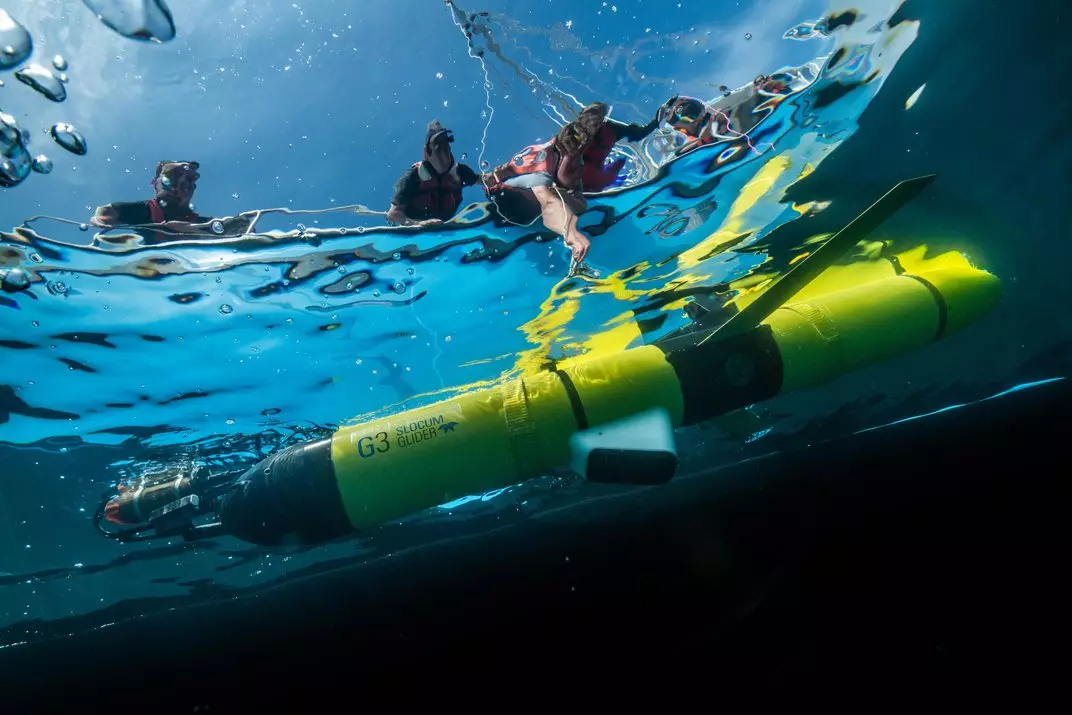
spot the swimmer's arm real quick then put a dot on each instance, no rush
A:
(397, 216)
(231, 224)
(467, 175)
(405, 188)
(636, 132)
(105, 217)
(239, 224)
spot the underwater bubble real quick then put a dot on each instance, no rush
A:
(396, 255)
(411, 270)
(448, 338)
(83, 227)
(226, 309)
(216, 226)
(15, 161)
(69, 138)
(14, 280)
(144, 20)
(64, 78)
(484, 164)
(230, 421)
(59, 63)
(15, 42)
(748, 35)
(36, 258)
(439, 75)
(465, 156)
(42, 164)
(342, 269)
(43, 81)
(400, 287)
(375, 294)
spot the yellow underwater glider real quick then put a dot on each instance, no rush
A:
(610, 417)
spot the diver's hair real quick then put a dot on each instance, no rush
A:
(593, 116)
(573, 137)
(596, 111)
(160, 167)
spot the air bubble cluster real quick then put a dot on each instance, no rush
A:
(15, 161)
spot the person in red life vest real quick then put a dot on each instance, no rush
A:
(545, 181)
(606, 133)
(431, 190)
(174, 185)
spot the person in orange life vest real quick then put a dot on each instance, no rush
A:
(431, 190)
(545, 181)
(174, 185)
(606, 133)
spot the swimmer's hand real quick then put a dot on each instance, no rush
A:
(579, 244)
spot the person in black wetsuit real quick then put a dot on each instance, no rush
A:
(431, 190)
(174, 184)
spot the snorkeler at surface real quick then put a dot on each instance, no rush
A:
(174, 184)
(729, 117)
(430, 191)
(545, 181)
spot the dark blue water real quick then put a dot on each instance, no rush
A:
(990, 122)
